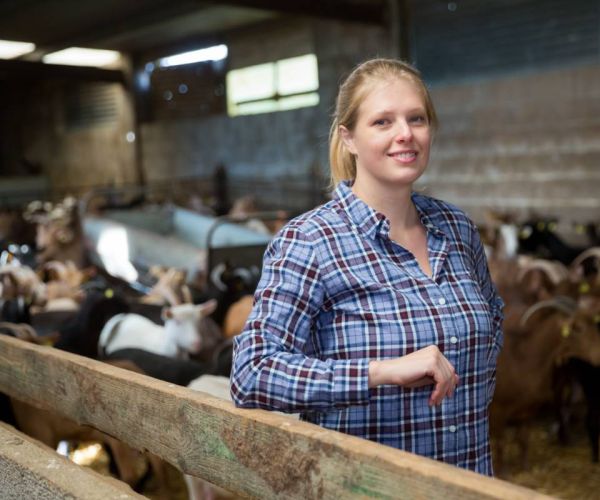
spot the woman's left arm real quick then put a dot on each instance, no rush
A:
(482, 274)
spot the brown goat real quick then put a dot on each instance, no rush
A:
(534, 347)
(236, 316)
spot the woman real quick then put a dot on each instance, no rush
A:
(372, 307)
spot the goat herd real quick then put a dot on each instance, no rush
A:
(550, 362)
(174, 332)
(181, 334)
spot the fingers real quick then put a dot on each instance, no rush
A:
(441, 390)
(427, 366)
(452, 388)
(445, 378)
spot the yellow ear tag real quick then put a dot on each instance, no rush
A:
(541, 226)
(597, 318)
(565, 331)
(584, 287)
(108, 293)
(552, 226)
(525, 233)
(579, 229)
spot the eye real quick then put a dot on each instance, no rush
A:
(419, 119)
(380, 122)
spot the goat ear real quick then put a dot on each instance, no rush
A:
(208, 307)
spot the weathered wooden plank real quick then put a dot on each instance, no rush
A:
(29, 469)
(251, 452)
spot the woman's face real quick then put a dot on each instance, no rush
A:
(392, 136)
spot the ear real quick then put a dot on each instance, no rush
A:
(166, 313)
(208, 307)
(347, 139)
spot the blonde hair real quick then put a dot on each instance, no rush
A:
(350, 96)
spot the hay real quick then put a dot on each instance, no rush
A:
(561, 471)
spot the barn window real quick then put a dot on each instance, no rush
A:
(277, 86)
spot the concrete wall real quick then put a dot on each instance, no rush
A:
(75, 158)
(274, 149)
(525, 143)
(521, 142)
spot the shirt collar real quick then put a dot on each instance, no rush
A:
(369, 220)
(365, 218)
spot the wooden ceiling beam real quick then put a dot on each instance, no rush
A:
(93, 35)
(360, 11)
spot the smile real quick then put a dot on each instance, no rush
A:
(404, 156)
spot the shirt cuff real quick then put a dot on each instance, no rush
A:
(351, 382)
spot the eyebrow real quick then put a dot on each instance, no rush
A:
(385, 112)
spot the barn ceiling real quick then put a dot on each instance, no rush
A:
(143, 25)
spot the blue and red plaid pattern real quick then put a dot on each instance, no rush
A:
(336, 292)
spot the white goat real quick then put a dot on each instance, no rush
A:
(176, 339)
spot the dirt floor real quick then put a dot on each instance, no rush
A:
(561, 471)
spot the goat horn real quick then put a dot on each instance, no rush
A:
(590, 252)
(555, 271)
(215, 277)
(561, 303)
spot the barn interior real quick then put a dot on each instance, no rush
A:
(202, 108)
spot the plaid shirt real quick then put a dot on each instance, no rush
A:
(336, 292)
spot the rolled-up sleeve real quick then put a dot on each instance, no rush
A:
(271, 369)
(495, 302)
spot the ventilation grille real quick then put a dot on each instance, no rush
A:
(91, 105)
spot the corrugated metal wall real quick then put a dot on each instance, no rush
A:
(473, 38)
(516, 84)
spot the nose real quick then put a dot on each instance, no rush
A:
(403, 131)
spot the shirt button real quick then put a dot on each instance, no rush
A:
(453, 340)
(441, 301)
(452, 428)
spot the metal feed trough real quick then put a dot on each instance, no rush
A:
(126, 242)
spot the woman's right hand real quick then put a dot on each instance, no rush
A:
(426, 366)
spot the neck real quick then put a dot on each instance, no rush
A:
(394, 202)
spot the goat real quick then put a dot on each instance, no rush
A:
(58, 232)
(21, 281)
(174, 371)
(587, 264)
(170, 289)
(236, 316)
(533, 349)
(177, 338)
(583, 328)
(538, 237)
(80, 334)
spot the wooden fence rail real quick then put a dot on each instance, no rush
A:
(29, 469)
(249, 452)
